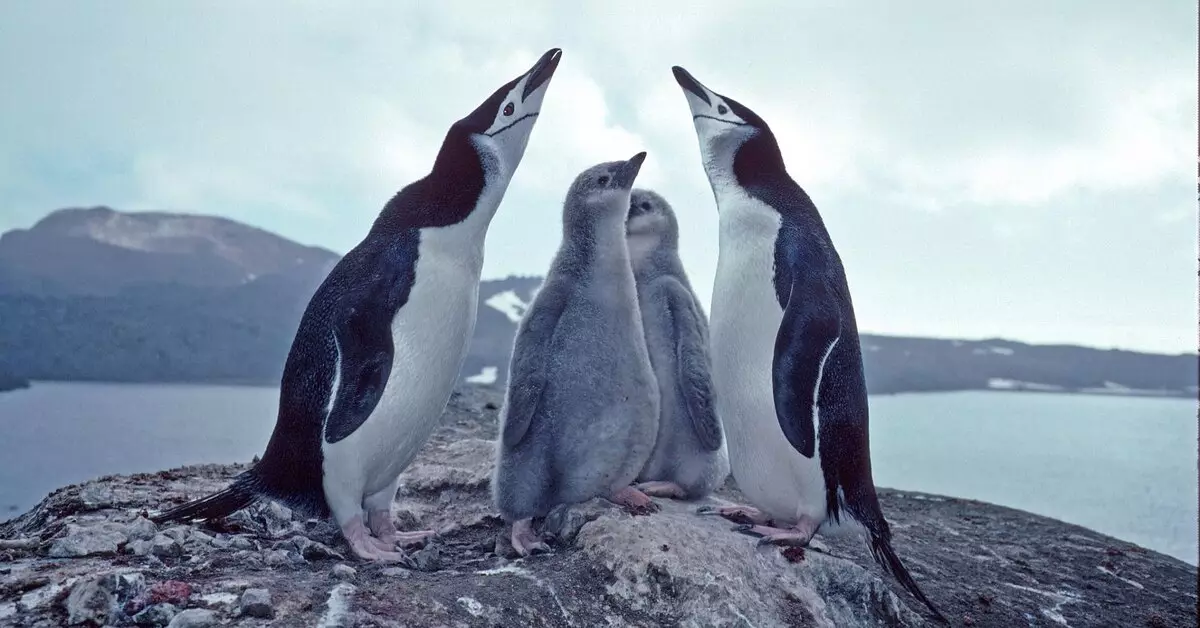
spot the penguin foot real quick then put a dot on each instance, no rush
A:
(634, 501)
(525, 540)
(366, 546)
(737, 514)
(662, 489)
(381, 525)
(796, 536)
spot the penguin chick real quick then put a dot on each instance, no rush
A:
(580, 411)
(689, 459)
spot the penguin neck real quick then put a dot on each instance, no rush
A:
(595, 237)
(464, 187)
(651, 254)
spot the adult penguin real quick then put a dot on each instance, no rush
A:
(787, 365)
(381, 343)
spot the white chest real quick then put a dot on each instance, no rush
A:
(431, 334)
(744, 325)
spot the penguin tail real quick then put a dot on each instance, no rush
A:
(885, 555)
(221, 504)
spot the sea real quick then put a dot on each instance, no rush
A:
(1123, 466)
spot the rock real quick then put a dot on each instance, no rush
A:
(199, 537)
(158, 615)
(309, 549)
(428, 558)
(458, 466)
(256, 603)
(164, 546)
(91, 601)
(170, 591)
(142, 529)
(139, 547)
(194, 618)
(277, 558)
(178, 533)
(983, 565)
(242, 543)
(97, 540)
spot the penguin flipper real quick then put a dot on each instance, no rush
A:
(527, 369)
(693, 376)
(364, 362)
(809, 331)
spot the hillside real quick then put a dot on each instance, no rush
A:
(98, 294)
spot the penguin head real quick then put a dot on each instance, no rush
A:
(604, 188)
(499, 128)
(650, 216)
(734, 141)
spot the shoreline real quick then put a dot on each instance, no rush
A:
(1088, 392)
(983, 565)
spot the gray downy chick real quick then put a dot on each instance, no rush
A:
(580, 411)
(689, 459)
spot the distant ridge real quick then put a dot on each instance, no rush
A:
(164, 297)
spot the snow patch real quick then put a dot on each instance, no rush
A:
(992, 349)
(1000, 383)
(1113, 388)
(509, 304)
(487, 376)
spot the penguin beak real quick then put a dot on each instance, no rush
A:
(629, 171)
(692, 87)
(541, 72)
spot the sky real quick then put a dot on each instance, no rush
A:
(1019, 169)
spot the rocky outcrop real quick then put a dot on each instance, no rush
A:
(87, 556)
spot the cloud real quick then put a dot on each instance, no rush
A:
(917, 129)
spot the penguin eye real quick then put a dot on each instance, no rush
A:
(722, 109)
(508, 109)
(645, 206)
(602, 180)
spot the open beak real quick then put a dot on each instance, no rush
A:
(691, 85)
(541, 71)
(629, 171)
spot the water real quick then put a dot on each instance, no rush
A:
(1122, 466)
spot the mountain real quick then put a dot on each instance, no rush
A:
(99, 294)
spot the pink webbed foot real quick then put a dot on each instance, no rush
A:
(525, 540)
(662, 489)
(380, 522)
(737, 514)
(634, 501)
(796, 536)
(366, 546)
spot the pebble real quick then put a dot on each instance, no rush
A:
(179, 533)
(90, 601)
(256, 603)
(172, 591)
(139, 547)
(79, 541)
(199, 537)
(242, 543)
(142, 529)
(194, 618)
(276, 558)
(345, 572)
(164, 546)
(157, 615)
